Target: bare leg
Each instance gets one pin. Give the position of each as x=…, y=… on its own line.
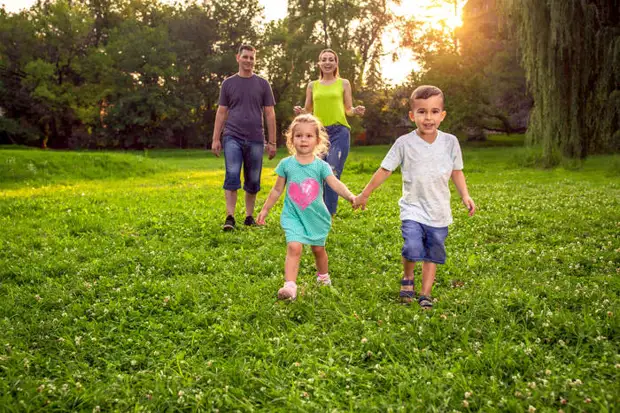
x=250, y=201
x=407, y=289
x=320, y=258
x=291, y=264
x=231, y=202
x=291, y=269
x=408, y=267
x=428, y=277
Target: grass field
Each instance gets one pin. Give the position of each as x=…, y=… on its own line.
x=120, y=292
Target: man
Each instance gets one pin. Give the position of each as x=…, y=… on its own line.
x=243, y=98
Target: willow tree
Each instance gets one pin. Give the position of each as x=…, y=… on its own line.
x=571, y=56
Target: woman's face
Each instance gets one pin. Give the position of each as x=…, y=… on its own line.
x=328, y=62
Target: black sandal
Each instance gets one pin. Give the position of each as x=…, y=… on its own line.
x=406, y=296
x=425, y=302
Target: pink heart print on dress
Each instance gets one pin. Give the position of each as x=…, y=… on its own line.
x=303, y=194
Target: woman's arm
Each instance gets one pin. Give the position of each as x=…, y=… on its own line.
x=273, y=197
x=308, y=105
x=348, y=101
x=339, y=188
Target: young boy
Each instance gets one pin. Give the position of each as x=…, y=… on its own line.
x=428, y=159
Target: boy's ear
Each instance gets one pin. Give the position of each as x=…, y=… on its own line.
x=443, y=115
x=411, y=116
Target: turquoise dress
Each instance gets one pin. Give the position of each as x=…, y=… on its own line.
x=305, y=217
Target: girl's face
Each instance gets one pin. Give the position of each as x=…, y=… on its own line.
x=305, y=138
x=328, y=62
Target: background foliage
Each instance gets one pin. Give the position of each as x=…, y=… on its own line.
x=571, y=56
x=139, y=73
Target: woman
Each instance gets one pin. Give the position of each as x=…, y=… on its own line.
x=330, y=99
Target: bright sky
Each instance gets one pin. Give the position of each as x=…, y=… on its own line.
x=392, y=71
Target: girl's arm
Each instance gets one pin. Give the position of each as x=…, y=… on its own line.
x=340, y=188
x=375, y=182
x=273, y=197
x=458, y=177
x=348, y=101
x=308, y=105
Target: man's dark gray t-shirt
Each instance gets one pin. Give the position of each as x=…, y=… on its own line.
x=245, y=98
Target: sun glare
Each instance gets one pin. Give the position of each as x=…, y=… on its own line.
x=439, y=15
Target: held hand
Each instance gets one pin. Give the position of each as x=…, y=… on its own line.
x=359, y=110
x=298, y=110
x=470, y=205
x=351, y=199
x=360, y=201
x=261, y=217
x=216, y=148
x=272, y=150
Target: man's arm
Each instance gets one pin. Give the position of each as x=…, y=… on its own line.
x=458, y=177
x=220, y=117
x=270, y=114
x=375, y=182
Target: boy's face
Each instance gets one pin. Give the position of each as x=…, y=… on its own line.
x=427, y=114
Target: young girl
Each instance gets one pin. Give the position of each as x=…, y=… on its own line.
x=305, y=218
x=330, y=99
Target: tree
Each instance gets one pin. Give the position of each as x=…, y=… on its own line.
x=571, y=56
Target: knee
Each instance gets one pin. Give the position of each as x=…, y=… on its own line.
x=294, y=249
x=319, y=251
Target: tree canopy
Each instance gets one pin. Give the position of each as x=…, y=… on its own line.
x=571, y=56
x=140, y=73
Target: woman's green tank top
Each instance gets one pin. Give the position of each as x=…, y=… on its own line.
x=328, y=103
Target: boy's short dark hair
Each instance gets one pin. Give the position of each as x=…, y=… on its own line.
x=425, y=92
x=246, y=47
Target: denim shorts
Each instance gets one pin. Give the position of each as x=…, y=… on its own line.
x=249, y=154
x=424, y=243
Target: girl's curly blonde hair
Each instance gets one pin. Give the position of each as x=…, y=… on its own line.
x=322, y=145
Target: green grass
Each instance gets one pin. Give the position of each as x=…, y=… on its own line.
x=30, y=167
x=124, y=294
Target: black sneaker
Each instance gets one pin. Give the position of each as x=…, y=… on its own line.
x=249, y=221
x=229, y=225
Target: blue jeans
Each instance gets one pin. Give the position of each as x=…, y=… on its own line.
x=339, y=145
x=423, y=243
x=238, y=152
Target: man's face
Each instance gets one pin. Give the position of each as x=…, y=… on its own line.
x=246, y=60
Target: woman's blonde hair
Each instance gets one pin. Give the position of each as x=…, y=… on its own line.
x=322, y=145
x=336, y=75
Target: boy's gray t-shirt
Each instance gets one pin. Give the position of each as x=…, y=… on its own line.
x=245, y=98
x=426, y=170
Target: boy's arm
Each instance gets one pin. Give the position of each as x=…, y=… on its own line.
x=340, y=188
x=375, y=182
x=458, y=177
x=273, y=197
